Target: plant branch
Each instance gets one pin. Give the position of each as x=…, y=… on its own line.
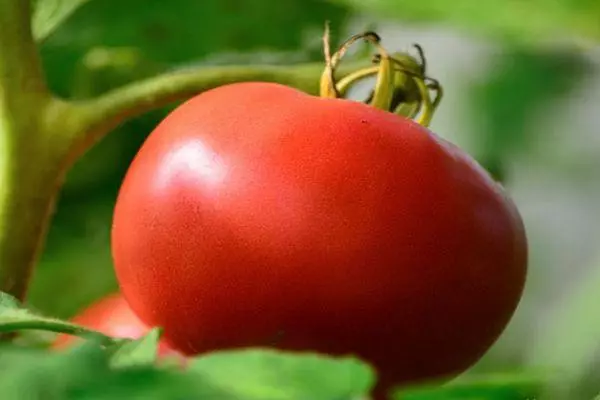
x=28, y=158
x=21, y=73
x=96, y=117
x=57, y=327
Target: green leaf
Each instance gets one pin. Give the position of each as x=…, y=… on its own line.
x=49, y=14
x=84, y=373
x=517, y=386
x=149, y=384
x=257, y=374
x=142, y=351
x=531, y=21
x=34, y=374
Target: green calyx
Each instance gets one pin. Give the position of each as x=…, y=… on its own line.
x=401, y=85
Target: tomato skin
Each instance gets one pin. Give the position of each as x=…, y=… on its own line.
x=255, y=215
x=112, y=316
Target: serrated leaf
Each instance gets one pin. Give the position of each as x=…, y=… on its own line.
x=148, y=384
x=142, y=351
x=49, y=14
x=84, y=373
x=35, y=374
x=258, y=374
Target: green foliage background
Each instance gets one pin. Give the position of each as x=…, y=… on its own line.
x=521, y=116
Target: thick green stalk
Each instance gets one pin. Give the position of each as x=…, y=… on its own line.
x=27, y=164
x=97, y=117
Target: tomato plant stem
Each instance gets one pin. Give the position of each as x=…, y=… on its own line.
x=26, y=193
x=100, y=115
x=57, y=327
x=21, y=74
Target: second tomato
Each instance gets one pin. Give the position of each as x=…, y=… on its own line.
x=112, y=316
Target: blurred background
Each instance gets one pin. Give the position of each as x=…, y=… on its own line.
x=522, y=84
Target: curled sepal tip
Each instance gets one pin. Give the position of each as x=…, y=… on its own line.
x=401, y=85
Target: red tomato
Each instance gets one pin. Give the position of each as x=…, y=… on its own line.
x=112, y=316
x=256, y=214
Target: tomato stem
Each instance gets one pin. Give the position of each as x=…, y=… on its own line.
x=401, y=85
x=30, y=155
x=57, y=327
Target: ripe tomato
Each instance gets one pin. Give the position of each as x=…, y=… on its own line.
x=112, y=316
x=256, y=215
